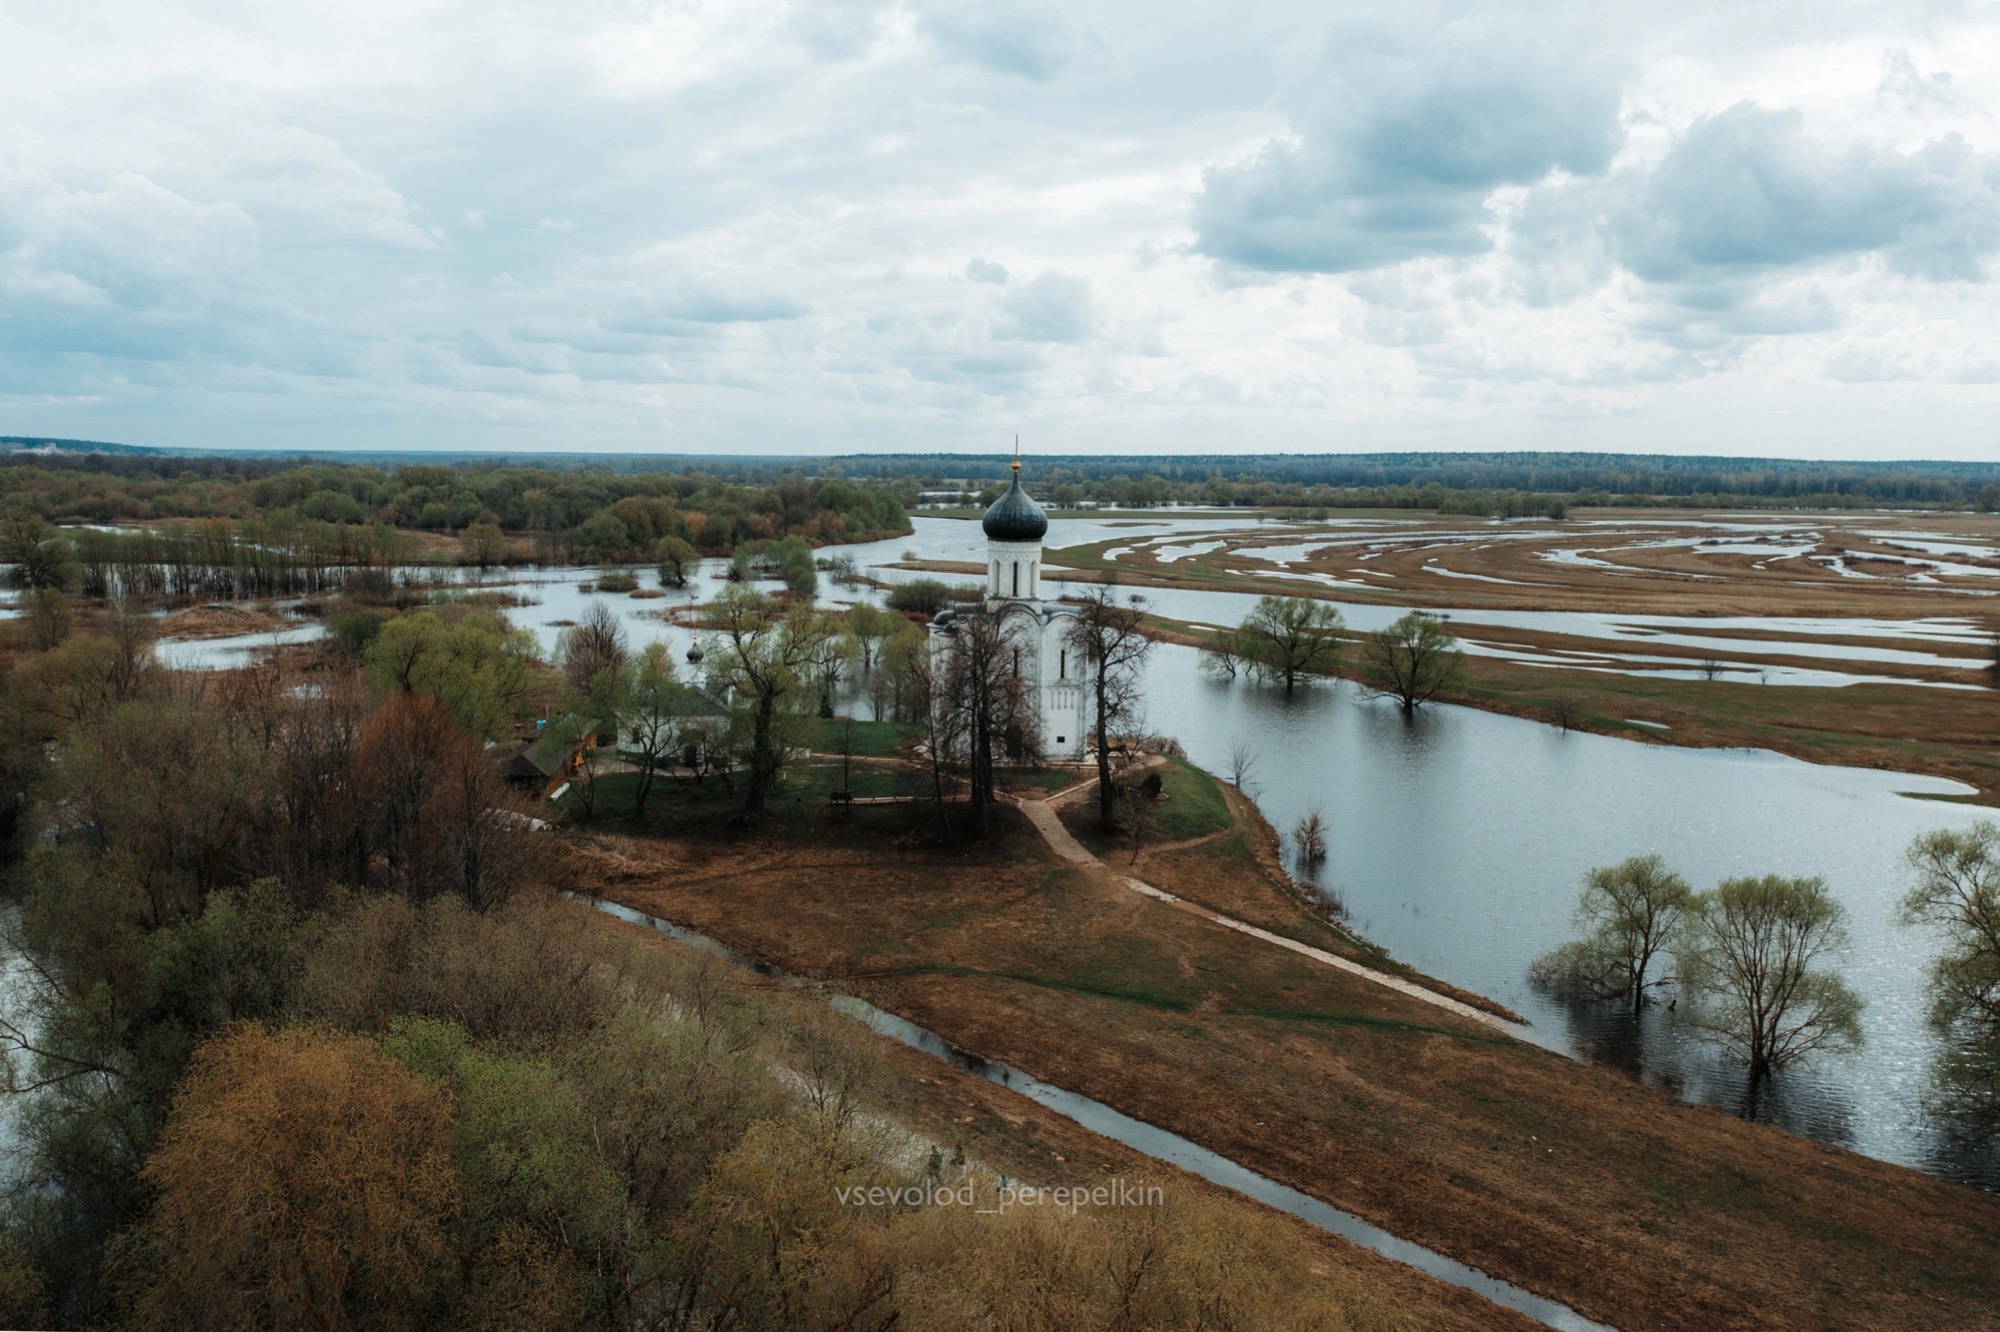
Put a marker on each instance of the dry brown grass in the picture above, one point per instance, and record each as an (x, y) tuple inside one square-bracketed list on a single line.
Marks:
[(1567, 1179), (218, 621)]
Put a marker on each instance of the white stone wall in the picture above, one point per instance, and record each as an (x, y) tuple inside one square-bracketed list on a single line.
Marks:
[(1013, 570)]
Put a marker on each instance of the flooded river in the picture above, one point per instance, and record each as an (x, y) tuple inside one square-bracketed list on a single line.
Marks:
[(1458, 838)]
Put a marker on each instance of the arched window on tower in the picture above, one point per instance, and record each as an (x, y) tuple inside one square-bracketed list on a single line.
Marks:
[(1062, 665), (1017, 663), (1017, 578)]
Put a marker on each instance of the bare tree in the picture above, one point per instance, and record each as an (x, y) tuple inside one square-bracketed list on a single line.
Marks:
[(1221, 655), (1108, 640), (131, 636), (1710, 668), (1567, 706), (1242, 763), (1309, 836), (1413, 661), (594, 648), (844, 736), (988, 708)]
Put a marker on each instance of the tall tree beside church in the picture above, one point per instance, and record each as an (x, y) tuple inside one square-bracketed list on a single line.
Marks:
[(986, 707), (1108, 643)]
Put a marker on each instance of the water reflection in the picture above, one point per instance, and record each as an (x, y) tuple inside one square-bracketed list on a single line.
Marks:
[(1816, 1101)]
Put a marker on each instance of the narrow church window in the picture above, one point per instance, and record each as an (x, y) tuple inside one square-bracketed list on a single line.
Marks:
[(1017, 663), (1062, 665), (1017, 578)]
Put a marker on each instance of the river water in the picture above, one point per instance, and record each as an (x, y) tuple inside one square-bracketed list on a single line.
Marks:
[(1459, 837)]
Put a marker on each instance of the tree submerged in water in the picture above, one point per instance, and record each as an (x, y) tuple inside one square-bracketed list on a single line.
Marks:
[(1957, 895), (1627, 916), (1751, 957), (1750, 961), (1412, 661)]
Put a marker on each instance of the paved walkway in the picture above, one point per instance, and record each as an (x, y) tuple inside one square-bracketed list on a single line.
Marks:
[(1042, 814)]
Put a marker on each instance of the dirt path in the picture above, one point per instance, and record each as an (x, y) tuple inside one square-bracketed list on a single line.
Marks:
[(1042, 814)]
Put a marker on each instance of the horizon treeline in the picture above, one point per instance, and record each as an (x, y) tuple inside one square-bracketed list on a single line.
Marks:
[(586, 514), (556, 500)]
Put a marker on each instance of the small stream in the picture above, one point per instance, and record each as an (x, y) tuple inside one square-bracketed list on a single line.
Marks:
[(1157, 1143)]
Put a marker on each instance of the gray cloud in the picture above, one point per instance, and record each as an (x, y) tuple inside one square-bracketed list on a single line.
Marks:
[(1937, 91), (1053, 307), (1400, 145), (706, 301), (1747, 190), (1034, 43), (323, 226)]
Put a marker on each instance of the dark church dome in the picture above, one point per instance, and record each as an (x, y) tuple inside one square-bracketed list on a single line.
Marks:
[(1015, 516)]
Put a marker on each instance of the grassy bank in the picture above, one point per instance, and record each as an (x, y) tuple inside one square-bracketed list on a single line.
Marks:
[(1567, 1179)]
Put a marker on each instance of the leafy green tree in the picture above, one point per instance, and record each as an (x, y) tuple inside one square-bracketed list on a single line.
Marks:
[(483, 544), (354, 631), (602, 536), (654, 702), (904, 674), (928, 596), (47, 611), (100, 1028), (793, 558), (1412, 661), (677, 560), (1628, 915), (484, 671), (38, 555), (1751, 960), (868, 626), (768, 654), (525, 1150), (1288, 639), (1957, 895)]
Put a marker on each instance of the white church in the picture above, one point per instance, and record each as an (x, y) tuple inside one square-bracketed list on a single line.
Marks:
[(1015, 526)]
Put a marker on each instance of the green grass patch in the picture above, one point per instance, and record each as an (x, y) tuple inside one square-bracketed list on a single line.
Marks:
[(876, 739), (808, 781), (1192, 803)]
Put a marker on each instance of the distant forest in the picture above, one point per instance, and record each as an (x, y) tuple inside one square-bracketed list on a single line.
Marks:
[(580, 513), (1511, 484), (614, 507)]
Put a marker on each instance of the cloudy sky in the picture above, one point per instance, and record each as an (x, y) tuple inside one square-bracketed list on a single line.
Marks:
[(781, 228)]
